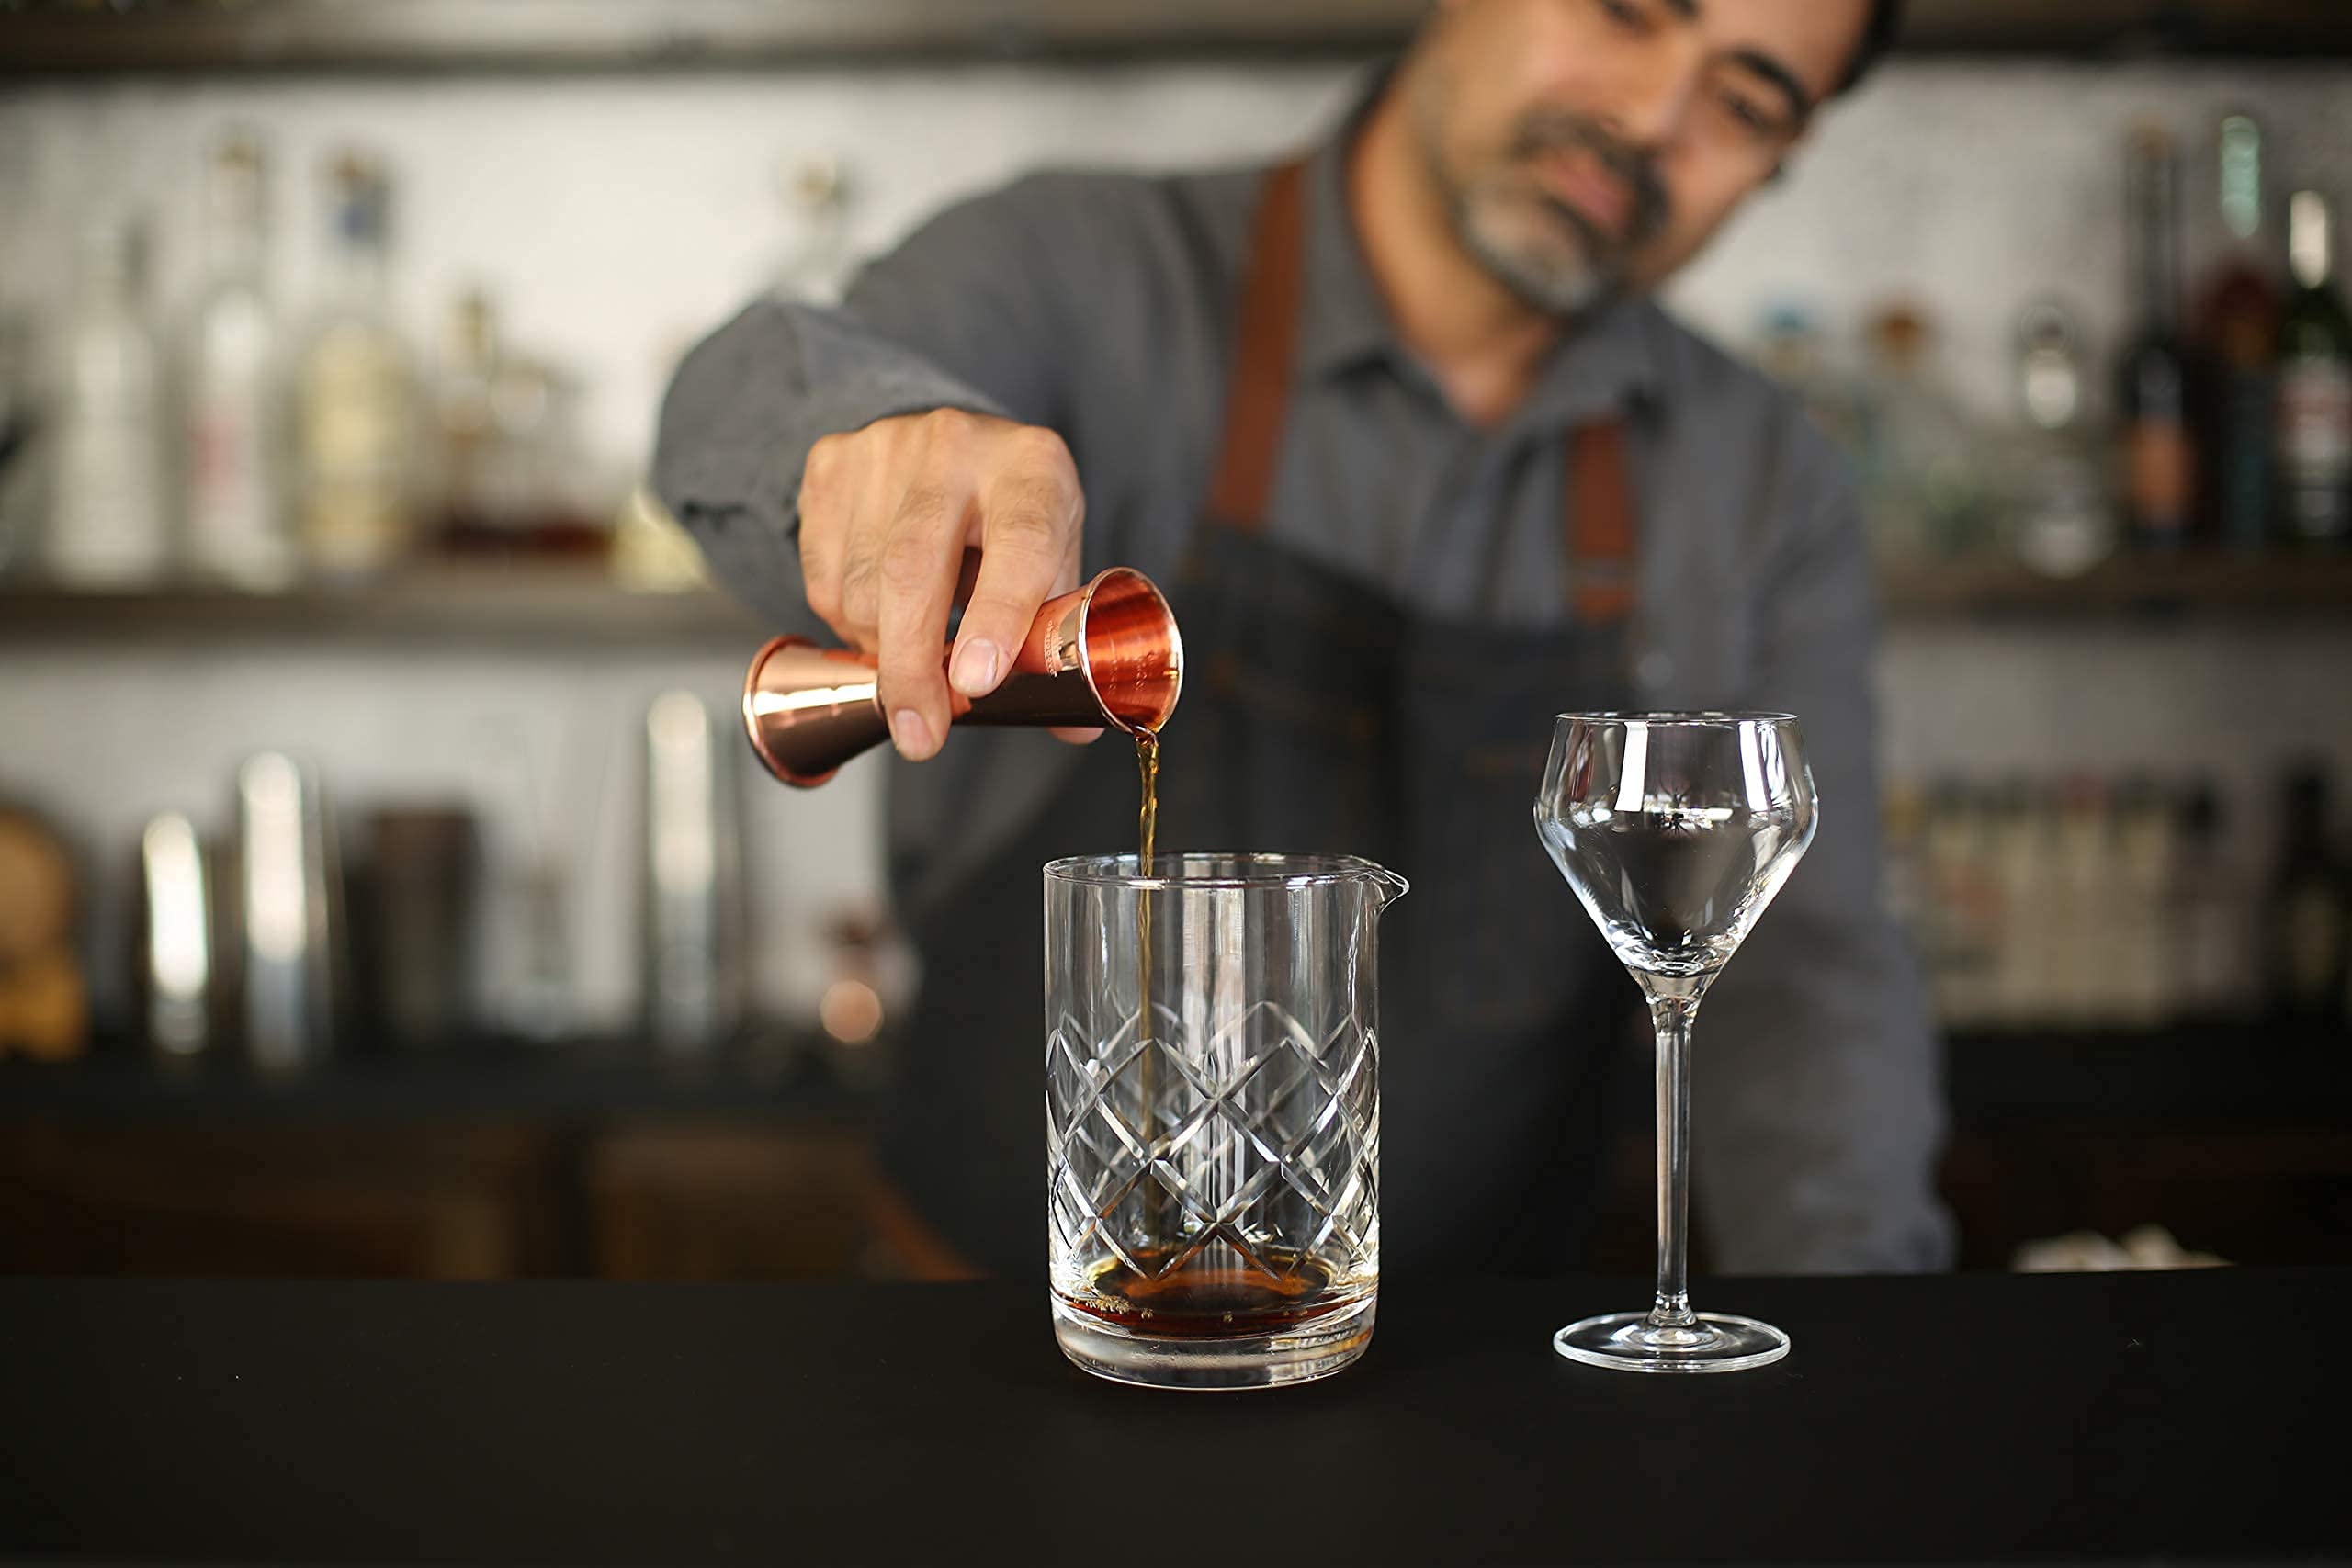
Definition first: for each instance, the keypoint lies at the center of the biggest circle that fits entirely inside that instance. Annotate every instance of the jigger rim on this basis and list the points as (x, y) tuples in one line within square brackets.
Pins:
[(1270, 872), (1088, 592)]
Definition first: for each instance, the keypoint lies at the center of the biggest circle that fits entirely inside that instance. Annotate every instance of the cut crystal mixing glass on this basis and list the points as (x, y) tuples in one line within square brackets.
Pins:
[(1213, 1114)]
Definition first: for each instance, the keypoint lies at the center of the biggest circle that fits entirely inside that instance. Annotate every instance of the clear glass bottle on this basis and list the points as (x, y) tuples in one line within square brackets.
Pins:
[(2059, 514), (815, 263), (467, 424), (109, 525), (2307, 939), (2314, 371), (356, 411), (2148, 991), (1923, 471), (1791, 349), (19, 423), (239, 528), (1964, 889), (2212, 945)]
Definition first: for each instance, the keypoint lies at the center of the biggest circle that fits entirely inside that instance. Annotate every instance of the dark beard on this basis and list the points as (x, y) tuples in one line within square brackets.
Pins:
[(1544, 281), (1557, 131)]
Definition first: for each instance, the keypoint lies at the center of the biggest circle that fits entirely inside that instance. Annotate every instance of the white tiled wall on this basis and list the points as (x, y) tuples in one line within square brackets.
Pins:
[(617, 218)]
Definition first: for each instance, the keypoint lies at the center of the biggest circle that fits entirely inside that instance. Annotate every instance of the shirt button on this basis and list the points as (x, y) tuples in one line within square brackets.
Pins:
[(1654, 669)]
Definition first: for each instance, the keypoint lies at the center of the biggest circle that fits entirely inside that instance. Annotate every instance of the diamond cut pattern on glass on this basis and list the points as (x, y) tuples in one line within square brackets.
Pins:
[(1261, 1131)]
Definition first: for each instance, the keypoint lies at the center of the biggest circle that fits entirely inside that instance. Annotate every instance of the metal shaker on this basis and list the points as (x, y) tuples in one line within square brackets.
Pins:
[(290, 904), (179, 969), (693, 897)]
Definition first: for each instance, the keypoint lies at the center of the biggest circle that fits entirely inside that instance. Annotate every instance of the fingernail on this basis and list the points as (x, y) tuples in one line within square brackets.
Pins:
[(975, 667), (911, 734)]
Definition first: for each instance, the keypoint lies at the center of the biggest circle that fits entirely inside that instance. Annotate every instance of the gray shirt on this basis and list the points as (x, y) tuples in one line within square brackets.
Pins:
[(1102, 306)]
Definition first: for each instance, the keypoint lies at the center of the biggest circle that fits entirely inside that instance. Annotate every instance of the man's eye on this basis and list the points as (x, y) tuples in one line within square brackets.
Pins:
[(1750, 115), (1624, 13)]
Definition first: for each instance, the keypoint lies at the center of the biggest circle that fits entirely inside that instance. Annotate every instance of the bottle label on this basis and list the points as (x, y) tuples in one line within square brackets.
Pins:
[(2315, 421), (226, 465), (2157, 474)]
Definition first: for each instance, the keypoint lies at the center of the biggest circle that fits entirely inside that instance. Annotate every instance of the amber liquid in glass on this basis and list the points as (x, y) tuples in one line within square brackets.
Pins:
[(1206, 1298)]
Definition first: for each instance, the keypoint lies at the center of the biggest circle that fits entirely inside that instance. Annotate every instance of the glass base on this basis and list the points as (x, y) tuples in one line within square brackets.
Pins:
[(1299, 1353), (1710, 1342)]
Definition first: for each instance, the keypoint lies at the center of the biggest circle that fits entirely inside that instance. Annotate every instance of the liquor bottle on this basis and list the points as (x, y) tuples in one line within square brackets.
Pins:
[(815, 263), (2030, 966), (2212, 942), (1922, 469), (108, 526), (239, 530), (2309, 920), (358, 394), (2059, 508), (2147, 991), (2159, 468), (2234, 329), (464, 413), (1963, 925), (2314, 376), (18, 430), (1791, 350)]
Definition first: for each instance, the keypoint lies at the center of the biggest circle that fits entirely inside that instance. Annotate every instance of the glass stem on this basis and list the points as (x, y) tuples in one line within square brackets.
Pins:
[(1674, 1004)]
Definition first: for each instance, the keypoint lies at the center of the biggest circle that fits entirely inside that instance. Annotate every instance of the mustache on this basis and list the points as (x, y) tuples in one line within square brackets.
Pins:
[(1547, 131)]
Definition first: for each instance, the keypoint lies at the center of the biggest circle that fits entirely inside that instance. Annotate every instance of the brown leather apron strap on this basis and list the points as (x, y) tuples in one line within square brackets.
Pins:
[(1258, 390), (1599, 524)]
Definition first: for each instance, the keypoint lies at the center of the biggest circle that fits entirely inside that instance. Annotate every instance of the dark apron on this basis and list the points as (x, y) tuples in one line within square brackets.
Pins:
[(1320, 716)]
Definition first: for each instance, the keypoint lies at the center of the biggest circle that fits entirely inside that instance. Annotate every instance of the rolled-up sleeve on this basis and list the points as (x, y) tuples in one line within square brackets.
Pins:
[(1817, 1106), (962, 315)]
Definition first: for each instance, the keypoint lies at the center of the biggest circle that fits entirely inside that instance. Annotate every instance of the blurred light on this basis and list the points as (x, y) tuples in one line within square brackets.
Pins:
[(851, 1011), (178, 933), (277, 912)]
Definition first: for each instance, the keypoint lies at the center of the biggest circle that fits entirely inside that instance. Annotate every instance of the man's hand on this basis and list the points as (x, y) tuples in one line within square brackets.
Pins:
[(887, 516)]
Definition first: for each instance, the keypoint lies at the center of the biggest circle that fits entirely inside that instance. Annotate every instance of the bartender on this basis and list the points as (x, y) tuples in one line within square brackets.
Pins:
[(1420, 462)]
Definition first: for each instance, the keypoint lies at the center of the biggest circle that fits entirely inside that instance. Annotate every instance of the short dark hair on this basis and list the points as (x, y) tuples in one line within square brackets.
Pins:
[(1886, 20)]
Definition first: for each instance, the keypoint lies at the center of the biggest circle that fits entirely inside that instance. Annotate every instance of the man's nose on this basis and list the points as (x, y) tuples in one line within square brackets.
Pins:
[(1655, 88)]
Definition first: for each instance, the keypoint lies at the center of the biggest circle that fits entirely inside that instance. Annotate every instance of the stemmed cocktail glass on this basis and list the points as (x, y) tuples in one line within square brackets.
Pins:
[(1675, 830)]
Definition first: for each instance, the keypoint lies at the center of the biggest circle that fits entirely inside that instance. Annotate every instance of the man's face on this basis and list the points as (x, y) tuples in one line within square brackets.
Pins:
[(1584, 146)]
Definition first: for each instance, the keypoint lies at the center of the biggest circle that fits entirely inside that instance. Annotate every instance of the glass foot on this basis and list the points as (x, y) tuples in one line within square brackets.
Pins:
[(1709, 1342)]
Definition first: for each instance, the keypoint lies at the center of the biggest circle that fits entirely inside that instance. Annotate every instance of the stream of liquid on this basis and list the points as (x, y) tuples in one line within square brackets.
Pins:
[(1147, 829)]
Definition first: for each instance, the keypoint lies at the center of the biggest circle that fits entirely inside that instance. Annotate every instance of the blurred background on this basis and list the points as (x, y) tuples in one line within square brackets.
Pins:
[(385, 887)]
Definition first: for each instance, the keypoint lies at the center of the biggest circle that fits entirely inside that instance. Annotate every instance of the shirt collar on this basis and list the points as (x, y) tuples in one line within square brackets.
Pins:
[(1607, 362)]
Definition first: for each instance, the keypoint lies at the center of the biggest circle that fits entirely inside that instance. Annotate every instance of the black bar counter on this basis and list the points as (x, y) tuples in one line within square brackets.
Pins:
[(2195, 1416)]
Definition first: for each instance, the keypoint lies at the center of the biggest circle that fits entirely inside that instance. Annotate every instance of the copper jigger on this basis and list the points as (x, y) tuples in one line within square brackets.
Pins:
[(1106, 654)]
